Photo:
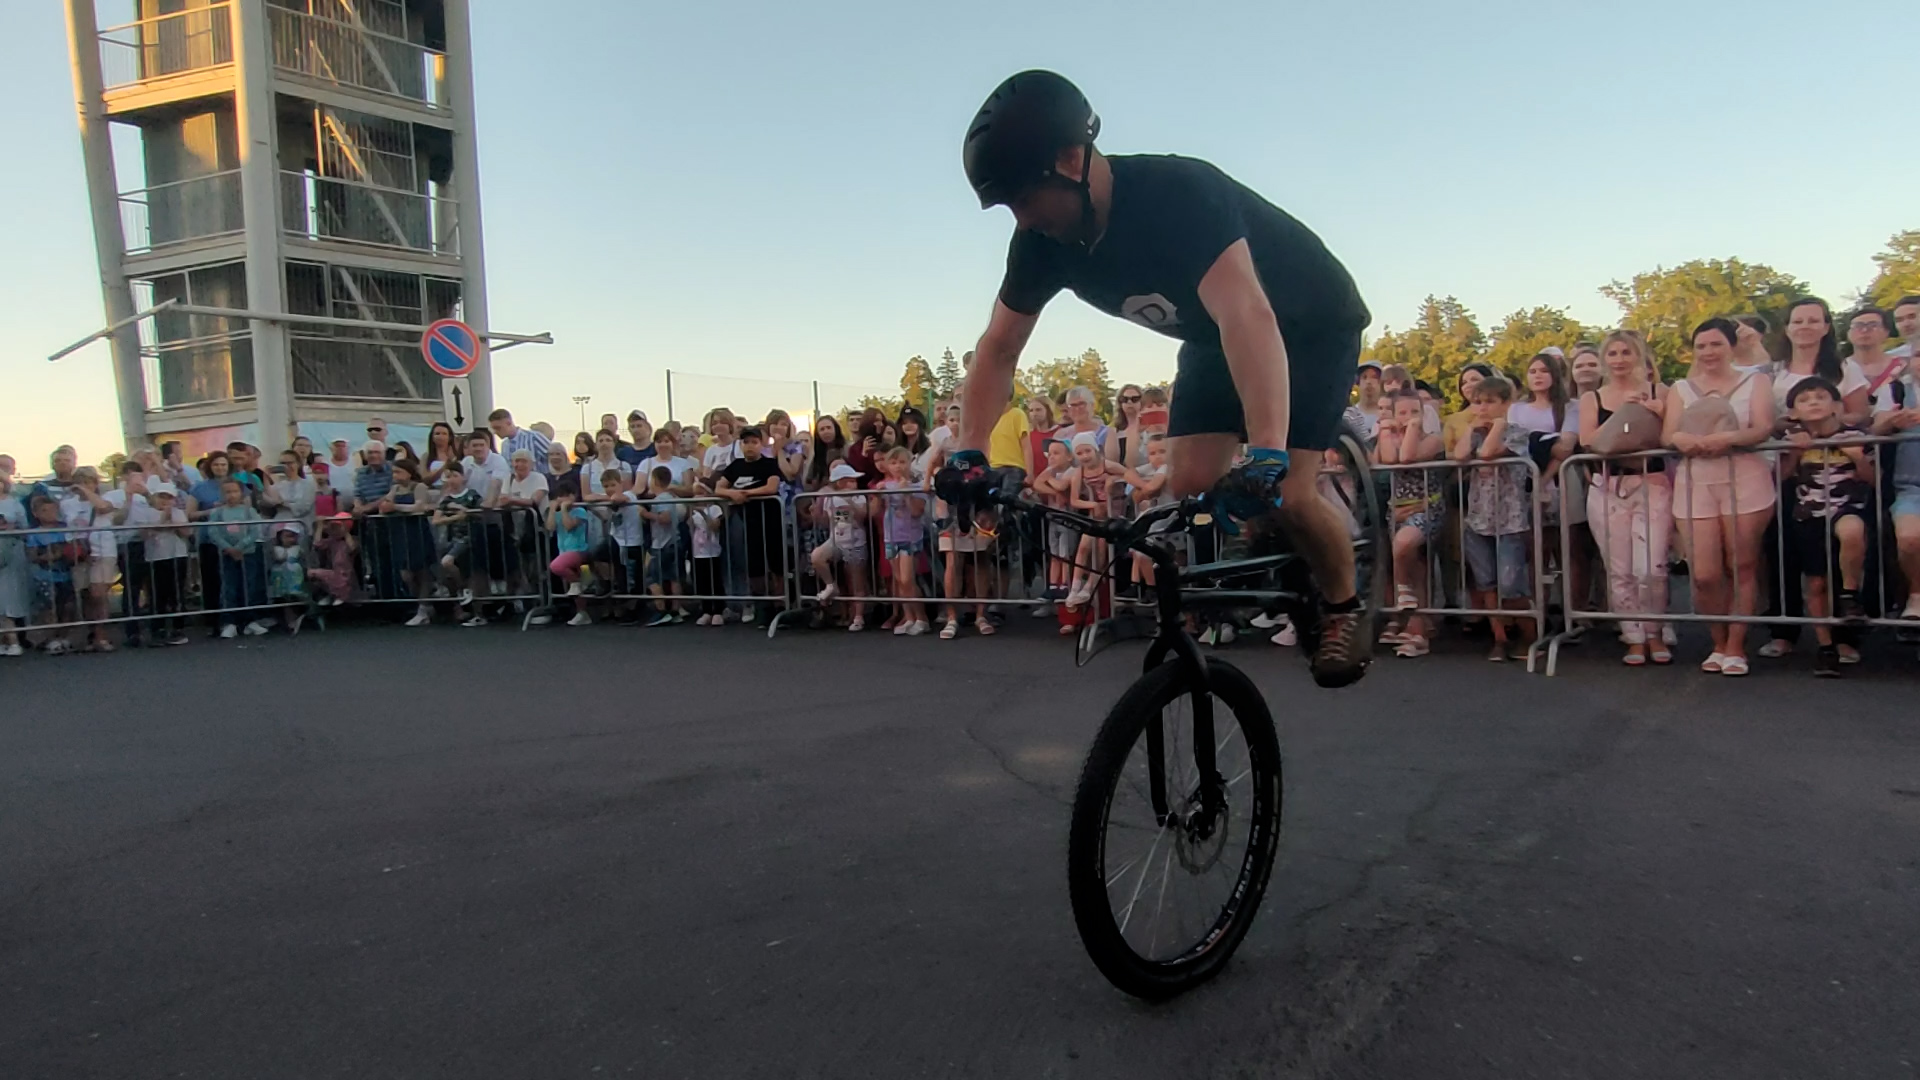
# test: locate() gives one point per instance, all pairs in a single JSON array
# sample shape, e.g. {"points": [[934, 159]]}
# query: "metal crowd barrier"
{"points": [[670, 557], [402, 558], [57, 579], [1632, 515], [1450, 492]]}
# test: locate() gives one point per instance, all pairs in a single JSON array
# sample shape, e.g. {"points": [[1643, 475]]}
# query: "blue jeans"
{"points": [[242, 584]]}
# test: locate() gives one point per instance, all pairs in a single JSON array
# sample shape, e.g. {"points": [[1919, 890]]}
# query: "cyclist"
{"points": [[1269, 321]]}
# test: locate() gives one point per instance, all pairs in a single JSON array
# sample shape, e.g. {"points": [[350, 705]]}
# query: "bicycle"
{"points": [[1192, 796]]}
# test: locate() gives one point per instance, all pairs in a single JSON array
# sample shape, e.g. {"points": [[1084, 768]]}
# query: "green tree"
{"points": [[1899, 270], [1052, 378], [946, 378], [1521, 336], [1443, 338], [917, 382], [109, 468], [1666, 304]]}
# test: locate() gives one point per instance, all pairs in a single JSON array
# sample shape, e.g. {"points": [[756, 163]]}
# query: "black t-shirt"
{"points": [[743, 475], [1171, 218]]}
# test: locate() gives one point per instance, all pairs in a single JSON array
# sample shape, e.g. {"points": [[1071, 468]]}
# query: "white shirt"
{"points": [[78, 513], [340, 476], [166, 545], [718, 457], [483, 475], [1851, 379], [594, 469], [1880, 399], [1527, 416], [678, 466]]}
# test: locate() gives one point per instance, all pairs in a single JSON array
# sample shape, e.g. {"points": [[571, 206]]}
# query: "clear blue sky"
{"points": [[774, 190]]}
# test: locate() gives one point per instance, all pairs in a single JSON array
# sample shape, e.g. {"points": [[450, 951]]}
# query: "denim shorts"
{"points": [[663, 568], [1499, 562], [902, 547], [1906, 502]]}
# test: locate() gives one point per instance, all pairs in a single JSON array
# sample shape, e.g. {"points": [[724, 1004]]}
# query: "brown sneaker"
{"points": [[1344, 651]]}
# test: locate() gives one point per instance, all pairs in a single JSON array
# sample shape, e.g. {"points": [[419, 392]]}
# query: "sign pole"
{"points": [[670, 415]]}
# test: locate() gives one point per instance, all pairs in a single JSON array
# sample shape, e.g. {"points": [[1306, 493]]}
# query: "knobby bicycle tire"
{"points": [[1087, 881]]}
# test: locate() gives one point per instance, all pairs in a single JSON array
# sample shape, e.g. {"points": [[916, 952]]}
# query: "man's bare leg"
{"points": [[1317, 527]]}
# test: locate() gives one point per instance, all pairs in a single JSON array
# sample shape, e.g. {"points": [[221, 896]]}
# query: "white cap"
{"points": [[289, 525], [1086, 438], [843, 471], [161, 487]]}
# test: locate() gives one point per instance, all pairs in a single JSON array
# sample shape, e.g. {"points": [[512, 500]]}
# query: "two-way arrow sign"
{"points": [[454, 397]]}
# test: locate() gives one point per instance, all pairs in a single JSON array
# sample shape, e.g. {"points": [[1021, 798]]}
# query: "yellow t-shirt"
{"points": [[1452, 428], [1007, 446]]}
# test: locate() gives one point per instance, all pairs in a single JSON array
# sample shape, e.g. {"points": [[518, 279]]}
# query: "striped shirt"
{"points": [[372, 482], [532, 442]]}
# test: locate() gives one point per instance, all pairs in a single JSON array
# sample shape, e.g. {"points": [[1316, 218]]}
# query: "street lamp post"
{"points": [[583, 400]]}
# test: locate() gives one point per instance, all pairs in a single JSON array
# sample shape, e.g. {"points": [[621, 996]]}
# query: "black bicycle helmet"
{"points": [[1018, 134]]}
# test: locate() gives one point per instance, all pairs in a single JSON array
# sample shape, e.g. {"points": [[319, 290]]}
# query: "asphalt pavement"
{"points": [[696, 853]]}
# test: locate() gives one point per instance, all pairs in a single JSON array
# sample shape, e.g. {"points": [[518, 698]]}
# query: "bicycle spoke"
{"points": [[1127, 916]]}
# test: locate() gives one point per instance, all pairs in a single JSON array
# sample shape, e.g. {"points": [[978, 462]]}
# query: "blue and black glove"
{"points": [[1252, 489]]}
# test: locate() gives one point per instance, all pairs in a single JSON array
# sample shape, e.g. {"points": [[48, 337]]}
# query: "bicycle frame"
{"points": [[1172, 638]]}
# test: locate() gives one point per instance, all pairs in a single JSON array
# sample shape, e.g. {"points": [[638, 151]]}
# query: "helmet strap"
{"points": [[1085, 240]]}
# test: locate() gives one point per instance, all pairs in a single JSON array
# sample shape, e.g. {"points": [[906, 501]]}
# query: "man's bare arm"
{"points": [[1250, 336], [989, 383]]}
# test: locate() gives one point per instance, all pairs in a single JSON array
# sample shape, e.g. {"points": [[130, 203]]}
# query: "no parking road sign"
{"points": [[450, 347]]}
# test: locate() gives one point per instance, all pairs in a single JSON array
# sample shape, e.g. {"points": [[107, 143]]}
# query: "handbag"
{"points": [[1632, 428], [1711, 413]]}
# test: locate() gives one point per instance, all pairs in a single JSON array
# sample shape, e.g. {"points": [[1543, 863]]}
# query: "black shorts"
{"points": [[1320, 371], [1817, 549]]}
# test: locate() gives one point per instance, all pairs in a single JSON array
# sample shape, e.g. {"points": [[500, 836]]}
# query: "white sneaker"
{"points": [[903, 628], [497, 588], [255, 628], [1080, 593], [229, 631], [573, 589], [1264, 621], [477, 620], [420, 618], [1286, 636], [1041, 611], [580, 618], [1775, 648], [915, 629], [466, 597], [827, 594], [11, 650], [1913, 607], [1668, 634], [701, 621]]}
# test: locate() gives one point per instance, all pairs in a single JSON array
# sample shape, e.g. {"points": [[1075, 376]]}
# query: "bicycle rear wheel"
{"points": [[1162, 899]]}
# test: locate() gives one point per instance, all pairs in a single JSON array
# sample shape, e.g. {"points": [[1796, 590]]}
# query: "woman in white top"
{"points": [[724, 449], [440, 451], [1630, 502], [604, 459], [1816, 351], [1722, 498], [292, 492]]}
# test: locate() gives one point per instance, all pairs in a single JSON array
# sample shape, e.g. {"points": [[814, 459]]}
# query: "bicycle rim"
{"points": [[1160, 904]]}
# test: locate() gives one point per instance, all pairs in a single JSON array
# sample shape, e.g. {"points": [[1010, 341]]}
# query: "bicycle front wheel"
{"points": [[1164, 877]]}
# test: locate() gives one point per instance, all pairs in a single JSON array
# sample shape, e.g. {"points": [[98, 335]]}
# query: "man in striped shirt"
{"points": [[518, 438]]}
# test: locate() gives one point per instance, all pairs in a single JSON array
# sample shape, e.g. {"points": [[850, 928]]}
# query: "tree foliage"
{"points": [[918, 383], [1899, 270], [946, 378], [1443, 338], [1522, 335], [1666, 304], [109, 467], [1052, 378]]}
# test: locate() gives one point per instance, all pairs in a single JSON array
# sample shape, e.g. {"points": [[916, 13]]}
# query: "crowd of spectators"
{"points": [[1585, 470]]}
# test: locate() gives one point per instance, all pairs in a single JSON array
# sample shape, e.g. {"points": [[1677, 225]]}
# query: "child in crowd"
{"points": [[1149, 484], [333, 552], [1417, 501], [1498, 516], [94, 574], [53, 554], [904, 535], [168, 553], [287, 576], [845, 518], [1091, 479], [234, 527], [663, 513], [706, 523], [626, 542], [1832, 498], [1054, 485], [752, 482], [573, 539], [459, 505], [16, 571]]}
